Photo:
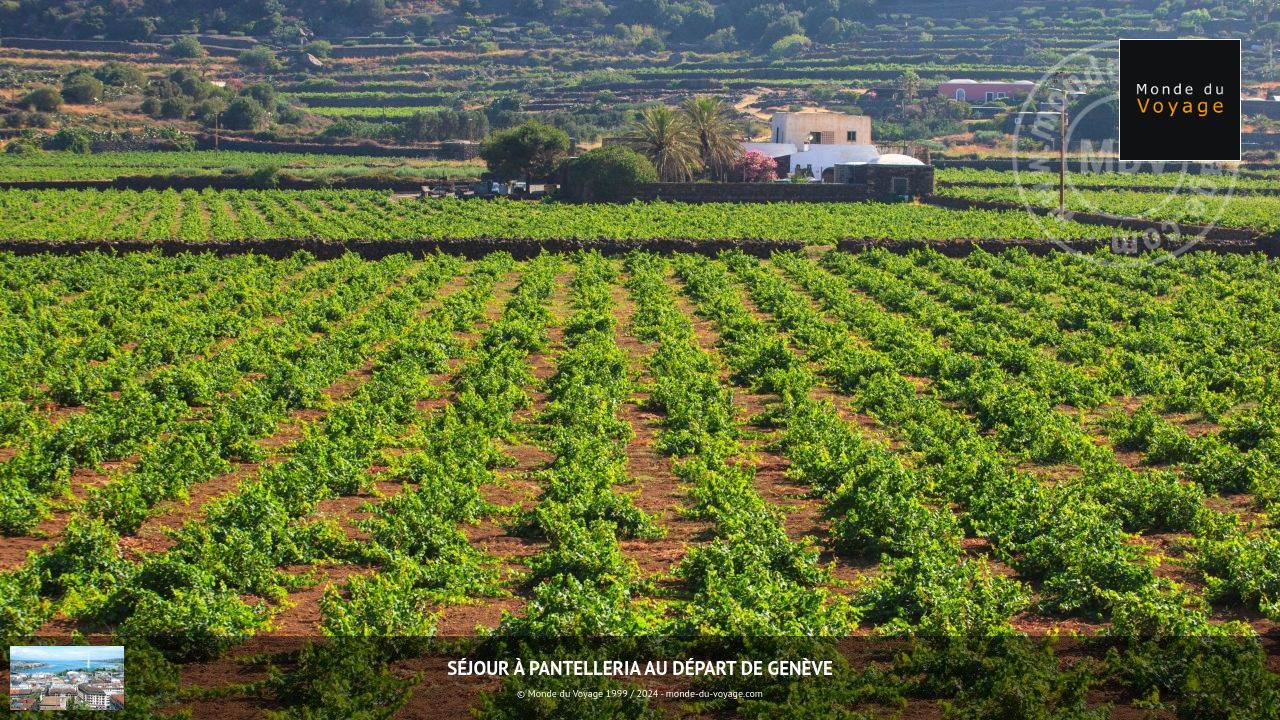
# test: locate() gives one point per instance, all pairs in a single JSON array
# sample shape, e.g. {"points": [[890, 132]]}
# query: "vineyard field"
{"points": [[381, 360], [67, 166], [1210, 205], [1172, 177], [361, 458], [204, 216]]}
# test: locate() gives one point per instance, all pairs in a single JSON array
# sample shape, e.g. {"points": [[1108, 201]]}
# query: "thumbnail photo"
{"points": [[65, 677]]}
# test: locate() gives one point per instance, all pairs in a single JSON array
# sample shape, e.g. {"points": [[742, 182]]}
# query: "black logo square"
{"points": [[1180, 100]]}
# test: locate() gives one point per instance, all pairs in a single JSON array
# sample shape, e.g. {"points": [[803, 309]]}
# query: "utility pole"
{"points": [[1062, 157], [1062, 143], [217, 116]]}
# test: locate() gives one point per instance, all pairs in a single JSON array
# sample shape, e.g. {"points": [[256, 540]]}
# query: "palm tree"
{"points": [[714, 132], [908, 86], [664, 136]]}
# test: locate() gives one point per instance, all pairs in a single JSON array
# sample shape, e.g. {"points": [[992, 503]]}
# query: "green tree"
{"points": [[260, 58], [137, 28], [1094, 116], [605, 173], [175, 108], [1270, 34], [723, 39], [716, 135], [120, 74], [368, 11], [789, 45], [186, 47], [529, 150], [263, 92], [209, 111], [82, 90], [191, 83], [43, 99], [651, 44], [830, 30], [908, 85], [664, 136], [244, 113], [1194, 19]]}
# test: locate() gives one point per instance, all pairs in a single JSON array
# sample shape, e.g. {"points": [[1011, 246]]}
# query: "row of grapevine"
{"points": [[416, 553], [1209, 205], [926, 586], [1240, 458], [1173, 178], [79, 352], [92, 215], [81, 570], [148, 407], [751, 579], [581, 586], [64, 166], [1077, 561], [1085, 564]]}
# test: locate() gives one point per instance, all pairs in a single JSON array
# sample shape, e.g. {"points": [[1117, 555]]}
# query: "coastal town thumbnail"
{"points": [[61, 677]]}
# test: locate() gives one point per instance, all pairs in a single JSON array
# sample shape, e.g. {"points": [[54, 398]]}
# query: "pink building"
{"points": [[974, 91]]}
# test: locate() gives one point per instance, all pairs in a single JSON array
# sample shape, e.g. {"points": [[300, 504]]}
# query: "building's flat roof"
{"points": [[814, 111], [823, 155], [988, 82]]}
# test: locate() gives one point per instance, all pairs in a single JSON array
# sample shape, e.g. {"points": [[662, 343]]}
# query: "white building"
{"points": [[816, 141], [820, 128], [94, 696]]}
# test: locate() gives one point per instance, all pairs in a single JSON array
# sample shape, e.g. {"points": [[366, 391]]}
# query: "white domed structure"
{"points": [[894, 159]]}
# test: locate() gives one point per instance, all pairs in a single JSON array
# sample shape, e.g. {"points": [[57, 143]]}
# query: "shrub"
{"points": [[319, 48], [175, 108], [788, 45], [207, 111], [137, 28], [186, 47], [756, 167], [22, 118], [23, 146], [120, 74], [262, 92], [244, 113], [604, 173], [72, 140], [43, 99], [187, 82], [259, 58], [193, 624], [265, 177], [651, 44], [722, 39], [82, 90], [290, 115]]}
